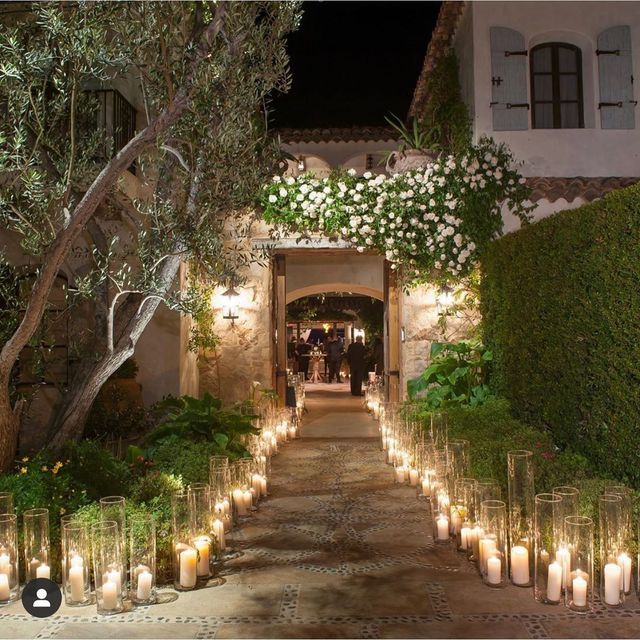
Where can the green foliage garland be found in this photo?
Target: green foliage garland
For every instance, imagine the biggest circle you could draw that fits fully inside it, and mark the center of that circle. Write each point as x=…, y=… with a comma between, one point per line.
x=561, y=309
x=435, y=221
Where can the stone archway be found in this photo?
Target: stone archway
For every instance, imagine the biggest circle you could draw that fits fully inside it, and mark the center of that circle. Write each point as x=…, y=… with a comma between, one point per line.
x=337, y=287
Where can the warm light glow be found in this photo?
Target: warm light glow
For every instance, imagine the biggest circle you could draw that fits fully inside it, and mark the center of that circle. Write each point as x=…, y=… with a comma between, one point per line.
x=445, y=297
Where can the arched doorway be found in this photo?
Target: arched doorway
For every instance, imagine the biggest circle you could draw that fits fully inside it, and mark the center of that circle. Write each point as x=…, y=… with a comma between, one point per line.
x=302, y=272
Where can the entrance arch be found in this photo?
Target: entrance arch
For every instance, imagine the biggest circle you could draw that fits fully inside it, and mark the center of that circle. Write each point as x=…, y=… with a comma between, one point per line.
x=334, y=287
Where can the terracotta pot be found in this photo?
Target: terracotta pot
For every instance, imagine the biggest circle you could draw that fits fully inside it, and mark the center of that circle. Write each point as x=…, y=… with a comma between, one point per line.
x=400, y=161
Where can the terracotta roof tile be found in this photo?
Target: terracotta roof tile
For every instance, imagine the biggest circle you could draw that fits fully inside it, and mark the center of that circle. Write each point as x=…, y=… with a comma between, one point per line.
x=589, y=189
x=337, y=134
x=441, y=37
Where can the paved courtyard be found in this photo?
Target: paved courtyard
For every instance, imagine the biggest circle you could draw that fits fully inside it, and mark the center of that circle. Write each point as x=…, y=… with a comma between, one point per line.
x=337, y=551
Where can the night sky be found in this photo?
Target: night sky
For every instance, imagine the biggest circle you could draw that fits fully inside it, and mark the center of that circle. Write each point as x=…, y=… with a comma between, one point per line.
x=354, y=62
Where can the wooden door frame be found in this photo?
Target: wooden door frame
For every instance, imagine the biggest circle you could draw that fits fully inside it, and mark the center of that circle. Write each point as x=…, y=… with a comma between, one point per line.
x=391, y=333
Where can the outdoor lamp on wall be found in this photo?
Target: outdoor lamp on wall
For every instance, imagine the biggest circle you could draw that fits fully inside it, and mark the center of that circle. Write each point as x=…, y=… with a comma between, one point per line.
x=445, y=297
x=230, y=308
x=301, y=164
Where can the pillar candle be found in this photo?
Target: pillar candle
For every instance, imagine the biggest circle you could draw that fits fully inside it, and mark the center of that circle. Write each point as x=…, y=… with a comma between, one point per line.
x=238, y=501
x=426, y=486
x=5, y=592
x=145, y=582
x=33, y=567
x=114, y=576
x=563, y=558
x=494, y=570
x=456, y=520
x=474, y=540
x=256, y=484
x=227, y=506
x=464, y=537
x=400, y=474
x=554, y=582
x=5, y=563
x=579, y=585
x=188, y=573
x=202, y=547
x=76, y=582
x=263, y=485
x=487, y=546
x=612, y=574
x=443, y=527
x=413, y=477
x=247, y=499
x=110, y=595
x=43, y=571
x=624, y=562
x=218, y=531
x=520, y=565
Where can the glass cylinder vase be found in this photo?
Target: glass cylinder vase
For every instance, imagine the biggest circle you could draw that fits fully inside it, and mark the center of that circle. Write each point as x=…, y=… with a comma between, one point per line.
x=612, y=568
x=521, y=516
x=108, y=566
x=9, y=565
x=463, y=510
x=548, y=533
x=185, y=556
x=200, y=514
x=37, y=552
x=493, y=543
x=439, y=431
x=579, y=592
x=113, y=509
x=142, y=559
x=6, y=502
x=626, y=541
x=76, y=562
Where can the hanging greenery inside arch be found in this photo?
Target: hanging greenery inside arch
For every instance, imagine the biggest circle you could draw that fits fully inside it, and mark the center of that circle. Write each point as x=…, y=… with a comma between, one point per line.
x=433, y=222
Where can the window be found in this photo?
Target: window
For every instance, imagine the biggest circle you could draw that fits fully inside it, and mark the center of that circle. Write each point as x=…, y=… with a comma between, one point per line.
x=556, y=86
x=117, y=118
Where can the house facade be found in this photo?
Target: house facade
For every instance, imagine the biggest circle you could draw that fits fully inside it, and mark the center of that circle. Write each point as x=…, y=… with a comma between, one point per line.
x=555, y=82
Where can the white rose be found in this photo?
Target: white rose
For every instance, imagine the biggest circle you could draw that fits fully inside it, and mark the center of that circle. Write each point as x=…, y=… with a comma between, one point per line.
x=273, y=199
x=283, y=193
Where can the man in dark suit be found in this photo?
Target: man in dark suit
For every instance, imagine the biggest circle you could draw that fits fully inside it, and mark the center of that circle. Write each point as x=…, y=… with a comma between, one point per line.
x=355, y=357
x=302, y=352
x=334, y=357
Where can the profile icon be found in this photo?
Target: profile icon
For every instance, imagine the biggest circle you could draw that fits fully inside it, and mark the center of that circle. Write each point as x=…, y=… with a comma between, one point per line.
x=41, y=597
x=41, y=602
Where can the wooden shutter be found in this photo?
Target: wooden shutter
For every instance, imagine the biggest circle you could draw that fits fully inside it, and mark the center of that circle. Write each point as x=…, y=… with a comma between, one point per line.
x=617, y=106
x=508, y=80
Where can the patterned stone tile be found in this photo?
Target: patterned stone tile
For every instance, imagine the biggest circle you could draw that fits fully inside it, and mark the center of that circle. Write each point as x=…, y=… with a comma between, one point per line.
x=454, y=629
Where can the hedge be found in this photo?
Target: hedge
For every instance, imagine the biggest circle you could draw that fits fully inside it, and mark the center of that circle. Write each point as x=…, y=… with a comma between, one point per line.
x=561, y=308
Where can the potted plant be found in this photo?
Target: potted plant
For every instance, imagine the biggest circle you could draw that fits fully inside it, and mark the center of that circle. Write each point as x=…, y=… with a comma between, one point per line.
x=416, y=148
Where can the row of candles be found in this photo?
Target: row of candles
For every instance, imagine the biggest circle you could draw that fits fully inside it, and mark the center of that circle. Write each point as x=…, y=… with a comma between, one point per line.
x=122, y=550
x=531, y=540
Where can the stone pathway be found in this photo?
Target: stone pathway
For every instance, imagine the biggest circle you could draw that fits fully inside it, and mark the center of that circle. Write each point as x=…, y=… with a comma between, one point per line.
x=338, y=551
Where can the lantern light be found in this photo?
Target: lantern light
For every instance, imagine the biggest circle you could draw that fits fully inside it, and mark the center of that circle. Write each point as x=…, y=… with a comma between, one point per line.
x=445, y=296
x=230, y=309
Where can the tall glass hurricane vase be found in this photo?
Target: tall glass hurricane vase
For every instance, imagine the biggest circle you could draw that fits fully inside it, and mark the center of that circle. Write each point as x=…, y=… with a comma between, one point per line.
x=108, y=566
x=548, y=532
x=76, y=562
x=36, y=544
x=492, y=546
x=142, y=559
x=612, y=569
x=9, y=566
x=113, y=509
x=521, y=516
x=579, y=592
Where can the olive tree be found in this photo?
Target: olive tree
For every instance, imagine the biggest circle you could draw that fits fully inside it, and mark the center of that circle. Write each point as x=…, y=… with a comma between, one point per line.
x=205, y=71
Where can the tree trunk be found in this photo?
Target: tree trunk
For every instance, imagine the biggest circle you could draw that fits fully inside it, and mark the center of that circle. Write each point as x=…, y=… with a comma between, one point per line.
x=9, y=425
x=72, y=415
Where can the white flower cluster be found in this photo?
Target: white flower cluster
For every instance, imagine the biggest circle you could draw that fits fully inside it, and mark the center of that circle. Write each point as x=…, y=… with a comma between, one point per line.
x=415, y=219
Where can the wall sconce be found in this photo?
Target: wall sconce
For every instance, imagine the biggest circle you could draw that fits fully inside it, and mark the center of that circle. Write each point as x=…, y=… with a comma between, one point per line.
x=301, y=164
x=230, y=308
x=445, y=297
x=403, y=334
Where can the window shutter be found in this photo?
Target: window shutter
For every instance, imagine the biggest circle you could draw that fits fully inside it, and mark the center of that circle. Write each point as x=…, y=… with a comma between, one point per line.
x=617, y=106
x=508, y=80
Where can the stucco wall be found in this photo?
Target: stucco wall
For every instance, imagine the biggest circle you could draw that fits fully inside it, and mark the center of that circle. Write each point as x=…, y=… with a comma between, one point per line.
x=558, y=152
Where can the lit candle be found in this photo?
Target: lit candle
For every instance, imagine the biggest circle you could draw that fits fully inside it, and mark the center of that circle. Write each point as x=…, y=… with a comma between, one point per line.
x=487, y=546
x=400, y=477
x=77, y=561
x=43, y=571
x=473, y=541
x=563, y=557
x=494, y=570
x=247, y=499
x=218, y=531
x=456, y=520
x=426, y=486
x=227, y=506
x=465, y=532
x=33, y=567
x=238, y=501
x=202, y=547
x=5, y=564
x=76, y=581
x=442, y=523
x=579, y=585
x=263, y=486
x=554, y=582
x=624, y=562
x=188, y=571
x=413, y=477
x=612, y=575
x=114, y=576
x=5, y=592
x=145, y=580
x=110, y=592
x=256, y=484
x=520, y=565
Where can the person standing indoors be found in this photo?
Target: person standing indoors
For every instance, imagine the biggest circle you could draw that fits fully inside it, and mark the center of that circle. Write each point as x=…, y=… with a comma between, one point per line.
x=355, y=357
x=302, y=353
x=334, y=357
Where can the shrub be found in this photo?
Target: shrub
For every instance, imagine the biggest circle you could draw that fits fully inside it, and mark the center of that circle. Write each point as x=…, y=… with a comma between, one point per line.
x=561, y=309
x=187, y=460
